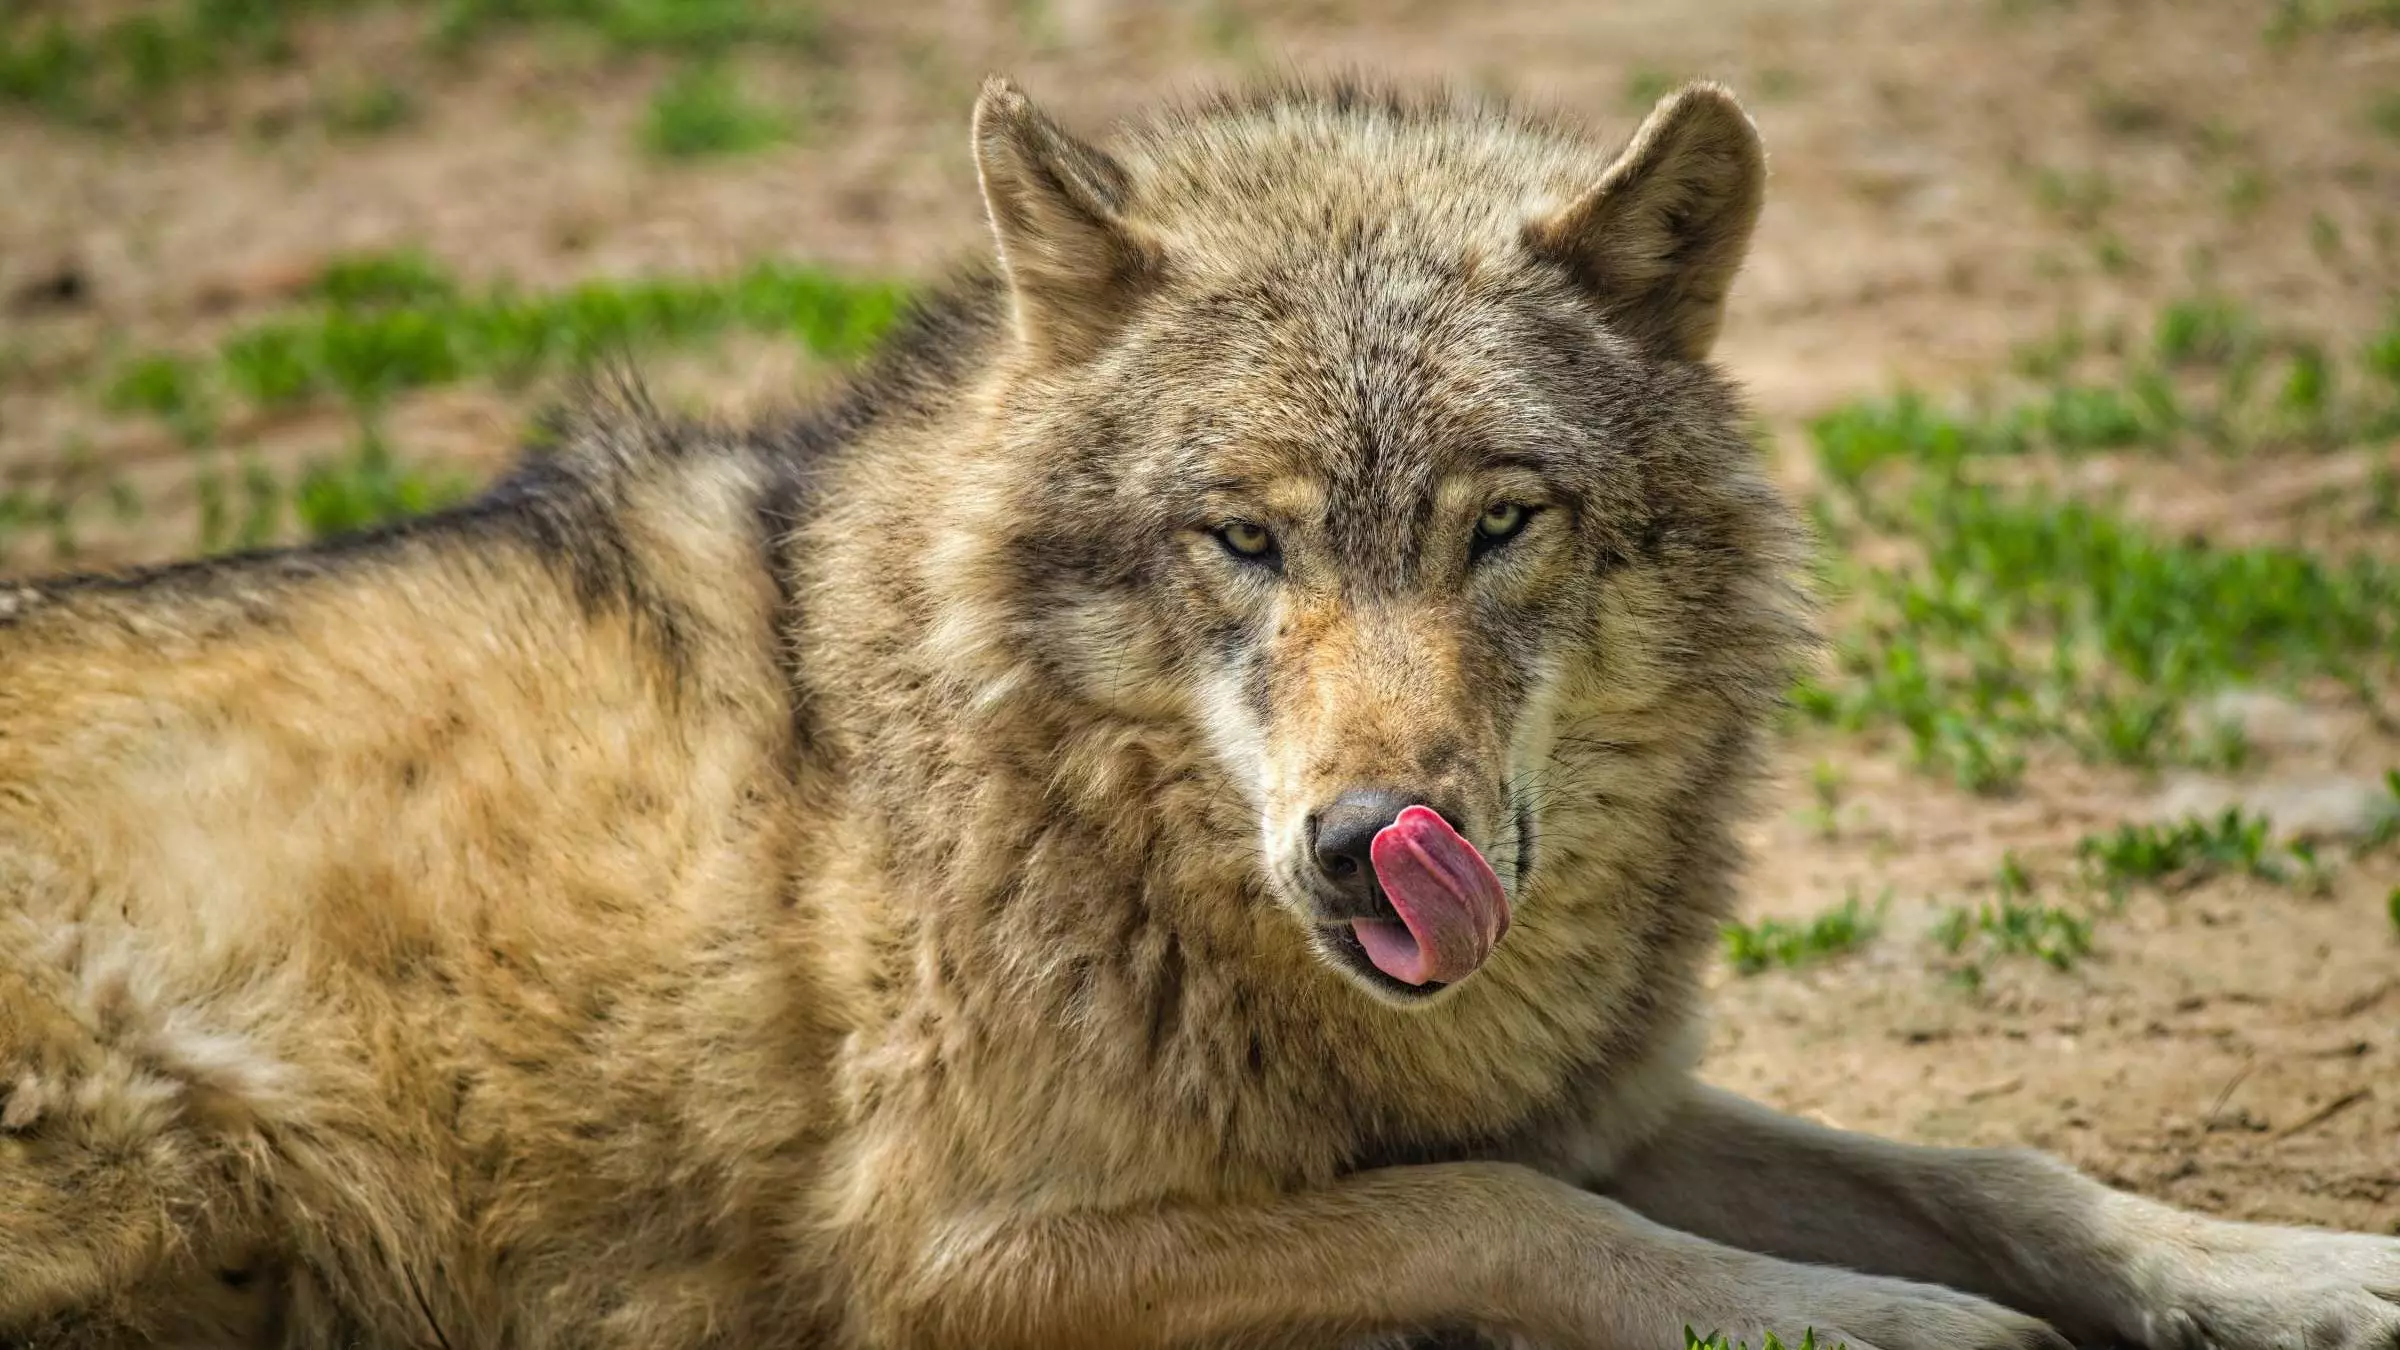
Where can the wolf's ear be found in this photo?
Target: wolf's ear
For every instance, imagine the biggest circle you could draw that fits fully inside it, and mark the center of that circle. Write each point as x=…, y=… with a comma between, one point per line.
x=1657, y=241
x=1074, y=264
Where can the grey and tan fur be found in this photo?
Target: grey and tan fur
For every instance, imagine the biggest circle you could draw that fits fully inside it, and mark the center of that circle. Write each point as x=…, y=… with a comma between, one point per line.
x=848, y=883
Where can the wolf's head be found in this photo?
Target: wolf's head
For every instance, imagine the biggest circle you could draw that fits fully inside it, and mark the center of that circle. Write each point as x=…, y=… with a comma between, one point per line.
x=1370, y=441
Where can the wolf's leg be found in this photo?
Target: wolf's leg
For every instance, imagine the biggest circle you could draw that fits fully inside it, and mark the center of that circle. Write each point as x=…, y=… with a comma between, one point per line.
x=105, y=1174
x=2015, y=1226
x=1487, y=1245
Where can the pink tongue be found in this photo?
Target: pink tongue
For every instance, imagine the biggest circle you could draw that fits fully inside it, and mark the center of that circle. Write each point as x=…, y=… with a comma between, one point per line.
x=1452, y=911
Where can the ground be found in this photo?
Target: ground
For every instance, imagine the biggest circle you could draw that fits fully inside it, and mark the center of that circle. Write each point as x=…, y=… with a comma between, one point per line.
x=2139, y=254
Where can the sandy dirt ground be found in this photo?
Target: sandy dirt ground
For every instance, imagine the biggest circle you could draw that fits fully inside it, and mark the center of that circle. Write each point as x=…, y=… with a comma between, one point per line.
x=1950, y=178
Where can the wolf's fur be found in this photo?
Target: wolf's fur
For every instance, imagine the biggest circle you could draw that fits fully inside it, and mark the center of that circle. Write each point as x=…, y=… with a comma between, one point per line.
x=847, y=883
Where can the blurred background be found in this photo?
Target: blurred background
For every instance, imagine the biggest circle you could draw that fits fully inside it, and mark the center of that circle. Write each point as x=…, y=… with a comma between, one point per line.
x=2073, y=324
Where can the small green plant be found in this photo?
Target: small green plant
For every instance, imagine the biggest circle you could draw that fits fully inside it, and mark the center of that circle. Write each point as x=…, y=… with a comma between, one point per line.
x=692, y=27
x=369, y=280
x=161, y=385
x=2207, y=330
x=1752, y=948
x=702, y=112
x=2016, y=924
x=2295, y=19
x=388, y=323
x=272, y=365
x=2391, y=908
x=1825, y=790
x=2384, y=114
x=2020, y=617
x=172, y=388
x=369, y=487
x=2187, y=851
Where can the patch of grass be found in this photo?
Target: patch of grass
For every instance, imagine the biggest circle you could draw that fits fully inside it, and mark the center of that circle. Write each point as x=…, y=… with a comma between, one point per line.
x=2391, y=908
x=703, y=113
x=160, y=384
x=387, y=323
x=2019, y=616
x=96, y=73
x=2186, y=851
x=693, y=27
x=2204, y=331
x=1752, y=948
x=166, y=386
x=2384, y=114
x=2016, y=924
x=2296, y=19
x=44, y=67
x=368, y=487
x=100, y=73
x=366, y=280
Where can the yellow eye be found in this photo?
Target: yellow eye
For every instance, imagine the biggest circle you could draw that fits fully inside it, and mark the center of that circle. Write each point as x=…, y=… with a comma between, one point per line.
x=1245, y=540
x=1499, y=521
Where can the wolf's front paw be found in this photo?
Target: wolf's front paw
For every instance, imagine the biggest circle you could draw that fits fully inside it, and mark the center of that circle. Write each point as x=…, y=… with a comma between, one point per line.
x=2240, y=1287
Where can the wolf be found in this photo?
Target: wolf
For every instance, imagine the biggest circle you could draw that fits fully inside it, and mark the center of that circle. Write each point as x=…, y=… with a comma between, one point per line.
x=1186, y=806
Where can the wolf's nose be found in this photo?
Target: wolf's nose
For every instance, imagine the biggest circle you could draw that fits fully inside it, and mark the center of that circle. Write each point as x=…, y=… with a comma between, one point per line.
x=1342, y=833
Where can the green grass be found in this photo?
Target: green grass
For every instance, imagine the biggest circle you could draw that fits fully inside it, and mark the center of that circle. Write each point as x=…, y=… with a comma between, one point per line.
x=1752, y=948
x=93, y=73
x=702, y=113
x=377, y=326
x=161, y=384
x=2015, y=923
x=2035, y=618
x=692, y=27
x=2296, y=19
x=385, y=324
x=2384, y=114
x=368, y=487
x=2026, y=618
x=102, y=73
x=2189, y=851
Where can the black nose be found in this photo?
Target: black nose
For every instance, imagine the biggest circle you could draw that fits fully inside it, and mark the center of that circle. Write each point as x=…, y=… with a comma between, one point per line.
x=1342, y=833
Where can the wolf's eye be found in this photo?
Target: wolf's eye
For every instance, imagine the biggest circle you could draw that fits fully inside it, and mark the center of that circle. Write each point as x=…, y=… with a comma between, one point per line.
x=1250, y=543
x=1499, y=523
